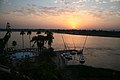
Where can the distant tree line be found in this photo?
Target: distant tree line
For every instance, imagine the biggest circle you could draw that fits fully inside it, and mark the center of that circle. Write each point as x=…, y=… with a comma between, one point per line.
x=104, y=33
x=91, y=32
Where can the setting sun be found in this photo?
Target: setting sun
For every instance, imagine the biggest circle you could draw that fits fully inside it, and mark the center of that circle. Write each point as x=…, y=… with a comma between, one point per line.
x=73, y=27
x=73, y=22
x=61, y=14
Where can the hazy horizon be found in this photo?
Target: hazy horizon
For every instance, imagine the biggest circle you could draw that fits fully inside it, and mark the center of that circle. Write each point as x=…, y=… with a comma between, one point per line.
x=60, y=14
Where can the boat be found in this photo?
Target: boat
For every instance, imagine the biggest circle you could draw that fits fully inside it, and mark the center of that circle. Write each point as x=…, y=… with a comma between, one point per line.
x=71, y=51
x=82, y=60
x=66, y=56
x=67, y=52
x=80, y=51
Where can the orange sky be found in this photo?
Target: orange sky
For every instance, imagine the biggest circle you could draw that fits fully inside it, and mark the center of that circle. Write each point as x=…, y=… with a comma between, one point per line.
x=61, y=14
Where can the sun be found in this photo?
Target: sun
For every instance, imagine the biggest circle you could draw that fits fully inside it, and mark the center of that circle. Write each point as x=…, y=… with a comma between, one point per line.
x=73, y=27
x=73, y=22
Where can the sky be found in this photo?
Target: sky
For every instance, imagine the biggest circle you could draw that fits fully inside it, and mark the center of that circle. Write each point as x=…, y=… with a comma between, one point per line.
x=60, y=14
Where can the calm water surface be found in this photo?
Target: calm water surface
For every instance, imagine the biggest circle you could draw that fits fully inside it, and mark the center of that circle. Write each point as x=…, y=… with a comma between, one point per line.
x=101, y=52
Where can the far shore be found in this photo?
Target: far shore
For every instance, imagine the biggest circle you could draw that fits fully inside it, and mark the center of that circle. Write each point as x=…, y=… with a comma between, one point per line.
x=100, y=33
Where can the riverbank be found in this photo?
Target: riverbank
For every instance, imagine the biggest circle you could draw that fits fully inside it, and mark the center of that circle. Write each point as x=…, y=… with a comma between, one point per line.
x=49, y=67
x=101, y=33
x=78, y=72
x=82, y=72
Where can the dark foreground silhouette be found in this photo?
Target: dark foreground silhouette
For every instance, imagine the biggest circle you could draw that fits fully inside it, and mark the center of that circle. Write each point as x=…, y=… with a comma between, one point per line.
x=45, y=68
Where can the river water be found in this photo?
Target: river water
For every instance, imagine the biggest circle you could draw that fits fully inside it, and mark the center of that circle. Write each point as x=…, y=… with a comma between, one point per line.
x=100, y=52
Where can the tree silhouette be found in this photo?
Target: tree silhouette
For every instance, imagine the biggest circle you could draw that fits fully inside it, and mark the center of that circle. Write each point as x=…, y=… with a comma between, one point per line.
x=22, y=33
x=39, y=40
x=3, y=43
x=49, y=38
x=38, y=32
x=29, y=33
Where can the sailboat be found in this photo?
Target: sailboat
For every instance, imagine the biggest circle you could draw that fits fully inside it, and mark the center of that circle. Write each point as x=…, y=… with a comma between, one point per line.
x=82, y=59
x=68, y=52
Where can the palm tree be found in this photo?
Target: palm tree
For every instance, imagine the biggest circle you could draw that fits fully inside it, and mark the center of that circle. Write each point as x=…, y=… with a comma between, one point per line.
x=22, y=33
x=49, y=38
x=39, y=40
x=29, y=33
x=38, y=32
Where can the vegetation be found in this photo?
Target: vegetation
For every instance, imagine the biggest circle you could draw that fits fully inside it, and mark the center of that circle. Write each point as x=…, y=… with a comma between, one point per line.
x=22, y=33
x=41, y=40
x=104, y=33
x=44, y=67
x=29, y=33
x=81, y=72
x=47, y=71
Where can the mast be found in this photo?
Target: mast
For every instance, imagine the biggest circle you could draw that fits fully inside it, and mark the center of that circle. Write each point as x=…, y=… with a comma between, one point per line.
x=84, y=43
x=64, y=42
x=74, y=43
x=81, y=59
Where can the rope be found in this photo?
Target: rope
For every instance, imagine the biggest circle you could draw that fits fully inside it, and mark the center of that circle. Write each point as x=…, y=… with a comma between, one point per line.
x=64, y=42
x=74, y=43
x=85, y=42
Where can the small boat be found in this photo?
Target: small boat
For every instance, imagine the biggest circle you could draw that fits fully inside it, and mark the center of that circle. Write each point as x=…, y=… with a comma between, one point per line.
x=72, y=52
x=80, y=51
x=82, y=60
x=67, y=52
x=68, y=58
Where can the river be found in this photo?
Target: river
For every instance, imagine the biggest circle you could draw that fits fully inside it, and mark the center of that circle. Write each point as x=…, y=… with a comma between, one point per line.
x=100, y=52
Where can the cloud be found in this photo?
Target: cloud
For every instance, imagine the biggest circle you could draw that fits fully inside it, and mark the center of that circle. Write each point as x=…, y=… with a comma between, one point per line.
x=5, y=2
x=114, y=0
x=84, y=1
x=105, y=13
x=32, y=9
x=95, y=8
